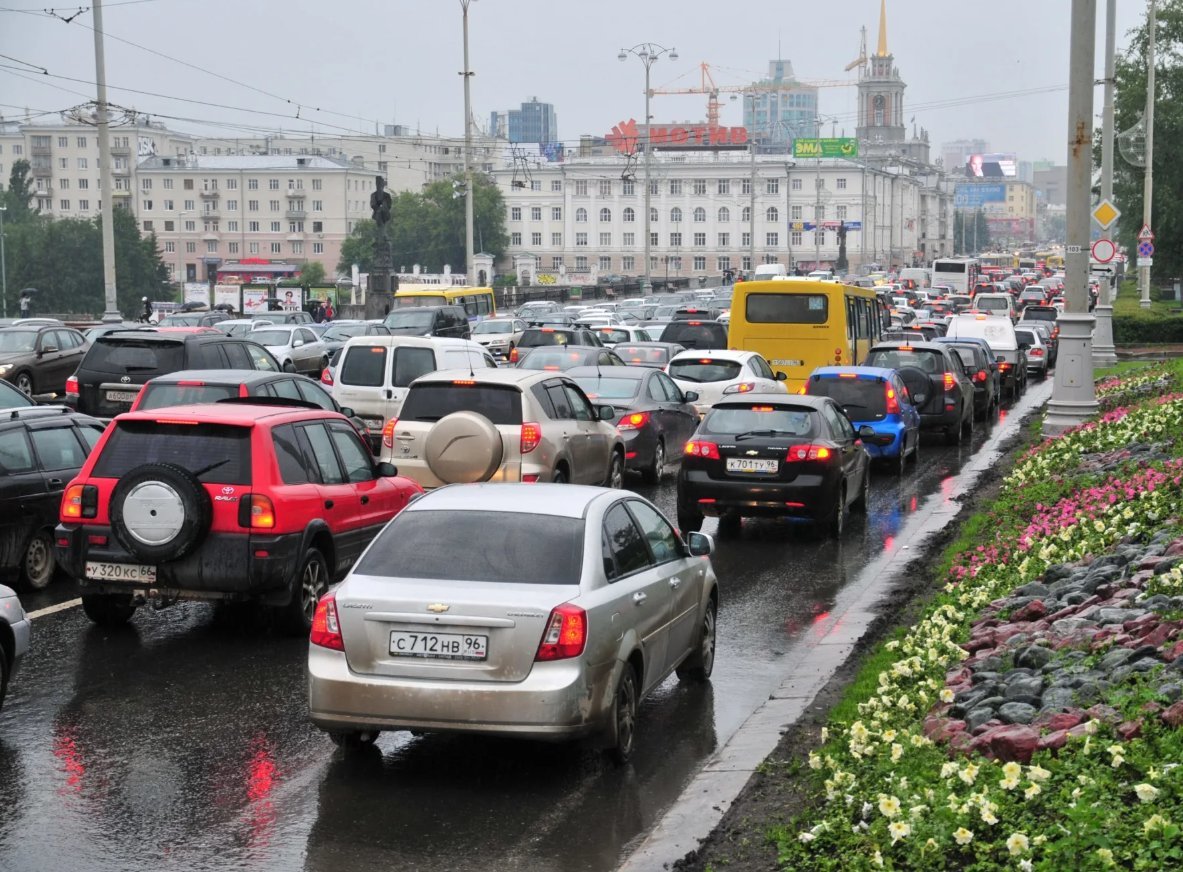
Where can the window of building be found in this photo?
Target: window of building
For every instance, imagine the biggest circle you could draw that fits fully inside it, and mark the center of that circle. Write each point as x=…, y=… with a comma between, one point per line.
x=231, y=205
x=536, y=185
x=629, y=215
x=723, y=262
x=606, y=188
x=187, y=184
x=168, y=184
x=795, y=237
x=675, y=187
x=275, y=227
x=84, y=205
x=724, y=240
x=772, y=239
x=772, y=186
x=253, y=247
x=581, y=188
x=819, y=213
x=276, y=248
x=189, y=207
x=630, y=239
x=628, y=263
x=274, y=204
x=700, y=215
x=700, y=263
x=297, y=247
x=295, y=227
x=841, y=184
x=796, y=184
x=64, y=205
x=745, y=214
x=605, y=263
x=675, y=240
x=745, y=239
x=724, y=186
x=580, y=262
x=700, y=187
x=700, y=240
x=745, y=186
x=556, y=262
x=231, y=184
x=675, y=215
x=252, y=184
x=605, y=216
x=253, y=226
x=772, y=215
x=653, y=216
x=190, y=226
x=148, y=226
x=795, y=213
x=580, y=215
x=82, y=162
x=318, y=248
x=191, y=248
x=628, y=188
x=316, y=184
x=81, y=141
x=556, y=185
x=536, y=239
x=535, y=213
x=63, y=142
x=580, y=240
x=515, y=239
x=654, y=189
x=211, y=246
x=64, y=184
x=605, y=240
x=232, y=226
x=841, y=213
x=556, y=240
x=653, y=238
x=273, y=184
x=819, y=237
x=170, y=247
x=556, y=213
x=145, y=184
x=515, y=213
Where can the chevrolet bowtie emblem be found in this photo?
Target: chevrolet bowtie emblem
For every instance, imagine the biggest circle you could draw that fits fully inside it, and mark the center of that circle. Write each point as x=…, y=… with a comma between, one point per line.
x=752, y=453
x=438, y=608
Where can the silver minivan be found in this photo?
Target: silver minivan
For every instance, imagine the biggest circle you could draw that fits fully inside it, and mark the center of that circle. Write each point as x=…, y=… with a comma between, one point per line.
x=374, y=372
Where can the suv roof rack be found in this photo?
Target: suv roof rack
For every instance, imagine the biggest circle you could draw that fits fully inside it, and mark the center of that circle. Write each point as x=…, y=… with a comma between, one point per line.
x=273, y=401
x=37, y=412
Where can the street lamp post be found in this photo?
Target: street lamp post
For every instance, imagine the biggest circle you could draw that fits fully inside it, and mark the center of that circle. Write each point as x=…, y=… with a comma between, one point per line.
x=180, y=258
x=469, y=252
x=3, y=268
x=1104, y=353
x=1148, y=178
x=647, y=53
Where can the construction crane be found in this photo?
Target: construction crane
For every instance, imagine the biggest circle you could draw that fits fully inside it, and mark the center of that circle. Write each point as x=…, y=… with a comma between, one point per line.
x=861, y=60
x=707, y=86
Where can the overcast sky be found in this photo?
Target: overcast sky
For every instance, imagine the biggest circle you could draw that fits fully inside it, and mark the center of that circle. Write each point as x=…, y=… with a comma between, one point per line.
x=348, y=64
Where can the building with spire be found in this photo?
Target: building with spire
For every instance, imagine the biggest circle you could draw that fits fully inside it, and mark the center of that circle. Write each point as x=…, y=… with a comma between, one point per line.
x=882, y=128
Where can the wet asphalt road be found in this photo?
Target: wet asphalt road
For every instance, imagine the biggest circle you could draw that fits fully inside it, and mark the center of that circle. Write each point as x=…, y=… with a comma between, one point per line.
x=182, y=742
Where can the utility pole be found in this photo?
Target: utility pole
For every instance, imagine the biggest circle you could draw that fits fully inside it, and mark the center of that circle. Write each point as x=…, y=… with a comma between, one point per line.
x=1148, y=179
x=1073, y=396
x=1104, y=354
x=469, y=258
x=111, y=314
x=3, y=268
x=752, y=206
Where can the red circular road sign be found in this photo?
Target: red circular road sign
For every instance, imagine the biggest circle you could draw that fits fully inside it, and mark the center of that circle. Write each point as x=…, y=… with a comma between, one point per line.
x=1104, y=250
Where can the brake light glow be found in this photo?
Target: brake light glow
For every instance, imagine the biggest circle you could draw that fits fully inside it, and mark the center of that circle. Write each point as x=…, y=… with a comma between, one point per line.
x=326, y=629
x=981, y=375
x=388, y=433
x=950, y=381
x=565, y=635
x=761, y=408
x=903, y=348
x=741, y=388
x=187, y=383
x=326, y=377
x=262, y=512
x=1004, y=366
x=463, y=381
x=809, y=452
x=893, y=402
x=80, y=501
x=635, y=421
x=174, y=421
x=72, y=386
x=513, y=355
x=1036, y=352
x=531, y=436
x=698, y=448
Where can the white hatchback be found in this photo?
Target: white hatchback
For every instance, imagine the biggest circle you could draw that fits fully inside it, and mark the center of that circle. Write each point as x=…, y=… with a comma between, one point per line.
x=714, y=375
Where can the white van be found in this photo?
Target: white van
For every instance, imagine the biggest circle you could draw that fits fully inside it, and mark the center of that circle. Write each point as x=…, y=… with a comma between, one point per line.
x=996, y=304
x=373, y=372
x=999, y=333
x=766, y=271
x=921, y=277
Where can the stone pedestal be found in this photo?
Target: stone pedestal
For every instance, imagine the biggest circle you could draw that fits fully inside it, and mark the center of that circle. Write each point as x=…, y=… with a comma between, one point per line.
x=1104, y=353
x=1074, y=398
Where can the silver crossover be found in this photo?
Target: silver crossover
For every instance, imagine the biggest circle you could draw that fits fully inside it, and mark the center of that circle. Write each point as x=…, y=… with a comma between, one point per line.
x=14, y=637
x=536, y=610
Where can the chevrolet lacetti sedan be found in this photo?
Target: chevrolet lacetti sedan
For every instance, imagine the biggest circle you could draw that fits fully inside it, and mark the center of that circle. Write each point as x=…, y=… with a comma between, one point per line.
x=565, y=607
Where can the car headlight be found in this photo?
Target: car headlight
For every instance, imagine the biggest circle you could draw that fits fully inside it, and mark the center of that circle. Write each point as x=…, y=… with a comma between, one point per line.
x=6, y=368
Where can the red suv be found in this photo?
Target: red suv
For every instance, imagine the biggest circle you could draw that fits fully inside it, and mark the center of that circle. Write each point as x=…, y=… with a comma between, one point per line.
x=230, y=501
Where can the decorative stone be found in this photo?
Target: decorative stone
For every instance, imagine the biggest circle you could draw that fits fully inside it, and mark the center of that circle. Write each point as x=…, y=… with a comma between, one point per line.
x=1173, y=716
x=1032, y=611
x=1056, y=698
x=1116, y=657
x=1024, y=686
x=1033, y=657
x=1017, y=713
x=1129, y=729
x=1014, y=742
x=1053, y=741
x=1117, y=616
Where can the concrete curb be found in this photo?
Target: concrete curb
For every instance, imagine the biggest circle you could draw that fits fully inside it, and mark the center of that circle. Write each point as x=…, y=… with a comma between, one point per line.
x=818, y=655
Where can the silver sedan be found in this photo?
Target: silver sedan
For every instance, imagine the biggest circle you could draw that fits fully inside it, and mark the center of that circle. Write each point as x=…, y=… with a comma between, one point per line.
x=14, y=637
x=534, y=610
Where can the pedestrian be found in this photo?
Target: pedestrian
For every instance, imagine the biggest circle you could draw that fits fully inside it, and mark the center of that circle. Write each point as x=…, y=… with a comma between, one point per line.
x=328, y=310
x=25, y=306
x=318, y=312
x=146, y=315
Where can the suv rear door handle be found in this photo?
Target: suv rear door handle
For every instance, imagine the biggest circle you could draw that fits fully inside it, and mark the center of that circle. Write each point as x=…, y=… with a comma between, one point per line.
x=639, y=598
x=55, y=482
x=328, y=504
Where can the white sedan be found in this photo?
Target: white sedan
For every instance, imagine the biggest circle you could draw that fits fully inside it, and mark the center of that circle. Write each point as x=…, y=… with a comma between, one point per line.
x=296, y=348
x=612, y=334
x=714, y=375
x=499, y=335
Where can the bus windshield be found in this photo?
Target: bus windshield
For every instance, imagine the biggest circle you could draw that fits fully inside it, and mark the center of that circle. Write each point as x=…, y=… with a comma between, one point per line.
x=787, y=309
x=418, y=301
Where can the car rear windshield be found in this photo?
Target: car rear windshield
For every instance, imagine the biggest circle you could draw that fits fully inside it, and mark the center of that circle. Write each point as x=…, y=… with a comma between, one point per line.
x=534, y=338
x=993, y=303
x=928, y=360
x=159, y=396
x=787, y=309
x=1025, y=336
x=606, y=388
x=1034, y=313
x=501, y=404
x=613, y=336
x=365, y=365
x=773, y=420
x=642, y=354
x=123, y=355
x=695, y=334
x=552, y=359
x=498, y=547
x=861, y=398
x=410, y=319
x=704, y=369
x=967, y=356
x=215, y=453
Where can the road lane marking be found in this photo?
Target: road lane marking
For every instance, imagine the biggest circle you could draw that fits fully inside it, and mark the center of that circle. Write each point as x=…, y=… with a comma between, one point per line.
x=49, y=610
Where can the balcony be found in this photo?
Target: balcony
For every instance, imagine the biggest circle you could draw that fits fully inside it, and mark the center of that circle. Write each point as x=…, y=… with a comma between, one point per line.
x=211, y=214
x=295, y=193
x=209, y=195
x=41, y=171
x=120, y=151
x=41, y=150
x=121, y=192
x=295, y=214
x=124, y=170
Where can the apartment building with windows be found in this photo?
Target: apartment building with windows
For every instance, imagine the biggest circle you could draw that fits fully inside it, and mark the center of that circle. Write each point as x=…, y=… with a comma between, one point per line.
x=207, y=210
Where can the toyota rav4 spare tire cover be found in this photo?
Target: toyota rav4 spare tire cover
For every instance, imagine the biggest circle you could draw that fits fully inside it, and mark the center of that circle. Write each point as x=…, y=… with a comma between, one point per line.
x=917, y=382
x=159, y=511
x=464, y=447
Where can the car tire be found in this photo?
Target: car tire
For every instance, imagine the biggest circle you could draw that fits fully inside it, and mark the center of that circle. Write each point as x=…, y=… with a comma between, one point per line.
x=967, y=424
x=108, y=610
x=902, y=461
x=697, y=667
x=953, y=434
x=354, y=739
x=309, y=584
x=689, y=520
x=191, y=511
x=39, y=563
x=864, y=497
x=653, y=472
x=24, y=383
x=836, y=522
x=615, y=479
x=288, y=366
x=560, y=476
x=5, y=671
x=622, y=731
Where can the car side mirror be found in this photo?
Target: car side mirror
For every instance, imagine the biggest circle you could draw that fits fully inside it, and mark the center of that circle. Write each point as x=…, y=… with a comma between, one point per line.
x=606, y=413
x=347, y=412
x=297, y=343
x=700, y=544
x=689, y=396
x=48, y=348
x=866, y=433
x=782, y=376
x=386, y=469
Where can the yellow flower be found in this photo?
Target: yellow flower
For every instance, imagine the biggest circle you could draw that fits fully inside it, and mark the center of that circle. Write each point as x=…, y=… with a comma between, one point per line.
x=1017, y=844
x=1117, y=761
x=962, y=836
x=897, y=751
x=889, y=735
x=1033, y=791
x=1154, y=822
x=1105, y=856
x=1012, y=770
x=1146, y=792
x=877, y=859
x=889, y=806
x=899, y=830
x=1038, y=773
x=805, y=837
x=948, y=770
x=988, y=817
x=1008, y=783
x=815, y=762
x=969, y=773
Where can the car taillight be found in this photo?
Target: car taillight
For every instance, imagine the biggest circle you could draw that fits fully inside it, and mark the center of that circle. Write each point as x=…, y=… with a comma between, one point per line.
x=981, y=375
x=1004, y=366
x=1036, y=352
x=256, y=511
x=326, y=629
x=80, y=501
x=893, y=402
x=531, y=436
x=388, y=433
x=741, y=388
x=565, y=635
x=809, y=452
x=950, y=382
x=635, y=421
x=513, y=355
x=72, y=386
x=326, y=377
x=709, y=450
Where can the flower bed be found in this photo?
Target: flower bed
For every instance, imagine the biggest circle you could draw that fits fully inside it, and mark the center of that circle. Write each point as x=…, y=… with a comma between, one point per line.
x=1028, y=720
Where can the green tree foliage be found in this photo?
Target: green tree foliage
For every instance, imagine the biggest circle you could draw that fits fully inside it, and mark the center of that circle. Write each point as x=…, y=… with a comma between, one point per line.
x=1129, y=104
x=428, y=229
x=312, y=272
x=971, y=242
x=17, y=198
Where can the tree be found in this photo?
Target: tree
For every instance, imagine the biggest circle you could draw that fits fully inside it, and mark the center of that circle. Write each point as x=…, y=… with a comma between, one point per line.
x=18, y=198
x=358, y=247
x=1129, y=105
x=977, y=232
x=312, y=272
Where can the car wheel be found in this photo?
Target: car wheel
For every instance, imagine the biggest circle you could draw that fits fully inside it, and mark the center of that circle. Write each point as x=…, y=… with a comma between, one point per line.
x=916, y=450
x=40, y=562
x=860, y=504
x=689, y=520
x=730, y=525
x=108, y=610
x=5, y=669
x=24, y=383
x=967, y=423
x=902, y=460
x=701, y=662
x=288, y=366
x=953, y=434
x=309, y=585
x=652, y=474
x=354, y=738
x=159, y=511
x=615, y=479
x=836, y=523
x=560, y=476
x=623, y=736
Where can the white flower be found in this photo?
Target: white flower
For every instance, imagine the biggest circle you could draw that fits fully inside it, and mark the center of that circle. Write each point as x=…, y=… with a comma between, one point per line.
x=899, y=830
x=1012, y=770
x=1017, y=844
x=946, y=695
x=1025, y=865
x=1032, y=791
x=1038, y=773
x=889, y=806
x=962, y=836
x=1146, y=792
x=806, y=837
x=897, y=751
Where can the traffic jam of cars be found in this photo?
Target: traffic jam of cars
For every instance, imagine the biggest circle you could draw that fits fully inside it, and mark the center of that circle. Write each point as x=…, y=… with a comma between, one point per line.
x=523, y=528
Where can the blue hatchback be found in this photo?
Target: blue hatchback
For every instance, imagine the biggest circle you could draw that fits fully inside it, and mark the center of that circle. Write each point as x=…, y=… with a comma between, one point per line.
x=874, y=397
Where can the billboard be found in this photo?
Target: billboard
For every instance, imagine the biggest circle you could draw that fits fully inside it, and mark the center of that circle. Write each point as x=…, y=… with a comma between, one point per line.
x=991, y=166
x=836, y=147
x=968, y=196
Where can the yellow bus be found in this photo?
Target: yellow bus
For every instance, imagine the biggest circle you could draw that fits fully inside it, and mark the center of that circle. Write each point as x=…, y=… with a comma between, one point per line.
x=799, y=324
x=479, y=303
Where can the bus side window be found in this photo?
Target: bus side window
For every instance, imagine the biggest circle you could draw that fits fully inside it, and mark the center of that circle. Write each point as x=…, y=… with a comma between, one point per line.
x=851, y=327
x=482, y=305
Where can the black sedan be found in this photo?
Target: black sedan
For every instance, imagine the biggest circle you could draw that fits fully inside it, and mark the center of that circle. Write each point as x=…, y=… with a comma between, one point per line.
x=560, y=358
x=937, y=383
x=653, y=416
x=774, y=455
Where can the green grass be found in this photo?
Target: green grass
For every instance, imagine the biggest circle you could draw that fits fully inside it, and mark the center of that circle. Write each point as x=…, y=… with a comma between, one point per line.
x=1128, y=303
